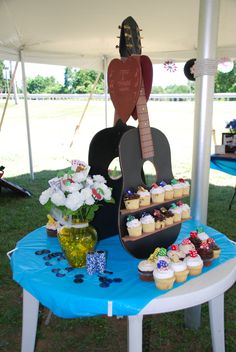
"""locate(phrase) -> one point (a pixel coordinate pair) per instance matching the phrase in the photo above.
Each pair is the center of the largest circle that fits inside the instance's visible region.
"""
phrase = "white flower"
(99, 179)
(89, 181)
(58, 198)
(74, 201)
(103, 190)
(80, 176)
(45, 195)
(70, 186)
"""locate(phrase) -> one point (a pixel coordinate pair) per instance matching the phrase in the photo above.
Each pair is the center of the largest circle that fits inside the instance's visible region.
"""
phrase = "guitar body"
(103, 148)
(132, 170)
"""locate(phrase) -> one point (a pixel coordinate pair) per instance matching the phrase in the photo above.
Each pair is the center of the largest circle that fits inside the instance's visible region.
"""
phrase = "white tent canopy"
(80, 33)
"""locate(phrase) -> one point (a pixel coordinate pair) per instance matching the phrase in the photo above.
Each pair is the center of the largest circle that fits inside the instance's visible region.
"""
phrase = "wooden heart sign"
(147, 73)
(124, 82)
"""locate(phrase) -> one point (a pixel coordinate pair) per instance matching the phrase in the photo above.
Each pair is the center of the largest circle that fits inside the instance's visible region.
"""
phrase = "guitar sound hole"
(114, 170)
(149, 173)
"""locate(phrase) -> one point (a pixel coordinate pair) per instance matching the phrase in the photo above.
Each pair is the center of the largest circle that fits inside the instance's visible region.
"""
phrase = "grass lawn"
(52, 127)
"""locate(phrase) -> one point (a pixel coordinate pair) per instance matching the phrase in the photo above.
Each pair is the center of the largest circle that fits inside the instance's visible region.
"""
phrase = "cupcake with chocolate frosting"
(160, 220)
(131, 200)
(216, 249)
(206, 253)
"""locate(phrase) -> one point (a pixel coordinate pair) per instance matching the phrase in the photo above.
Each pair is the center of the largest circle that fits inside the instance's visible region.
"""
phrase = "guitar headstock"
(130, 40)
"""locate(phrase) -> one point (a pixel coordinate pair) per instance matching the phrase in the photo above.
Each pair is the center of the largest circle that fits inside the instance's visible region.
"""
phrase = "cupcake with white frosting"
(177, 211)
(163, 276)
(134, 226)
(186, 186)
(177, 188)
(185, 210)
(169, 192)
(145, 197)
(186, 246)
(148, 222)
(175, 254)
(194, 263)
(157, 193)
(180, 270)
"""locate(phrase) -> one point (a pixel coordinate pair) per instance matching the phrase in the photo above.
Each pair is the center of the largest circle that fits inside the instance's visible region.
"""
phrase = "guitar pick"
(124, 81)
(147, 73)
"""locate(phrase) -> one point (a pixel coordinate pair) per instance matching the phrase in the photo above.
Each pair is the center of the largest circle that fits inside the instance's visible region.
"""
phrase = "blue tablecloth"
(68, 299)
(224, 164)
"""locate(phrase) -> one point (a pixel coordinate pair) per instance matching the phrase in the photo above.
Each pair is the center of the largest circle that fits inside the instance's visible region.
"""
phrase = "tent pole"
(105, 87)
(206, 65)
(14, 86)
(26, 113)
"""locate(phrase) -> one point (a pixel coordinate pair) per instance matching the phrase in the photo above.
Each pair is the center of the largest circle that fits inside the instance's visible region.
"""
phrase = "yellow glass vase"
(76, 241)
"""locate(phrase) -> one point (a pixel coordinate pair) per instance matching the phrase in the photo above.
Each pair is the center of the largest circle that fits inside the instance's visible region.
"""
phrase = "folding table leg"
(30, 320)
(216, 312)
(135, 333)
(231, 202)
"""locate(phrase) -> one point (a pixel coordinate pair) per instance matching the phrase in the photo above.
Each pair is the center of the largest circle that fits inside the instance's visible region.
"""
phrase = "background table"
(225, 163)
(68, 300)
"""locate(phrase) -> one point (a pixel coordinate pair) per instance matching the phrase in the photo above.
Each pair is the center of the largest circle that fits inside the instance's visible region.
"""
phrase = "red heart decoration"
(124, 82)
(147, 73)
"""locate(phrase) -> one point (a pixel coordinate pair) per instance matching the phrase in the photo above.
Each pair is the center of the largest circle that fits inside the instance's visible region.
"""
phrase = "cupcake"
(186, 186)
(145, 197)
(131, 200)
(176, 211)
(185, 210)
(160, 220)
(206, 253)
(216, 249)
(148, 222)
(180, 271)
(194, 263)
(168, 216)
(169, 192)
(51, 226)
(134, 226)
(195, 239)
(145, 269)
(163, 276)
(186, 246)
(177, 188)
(157, 193)
(175, 254)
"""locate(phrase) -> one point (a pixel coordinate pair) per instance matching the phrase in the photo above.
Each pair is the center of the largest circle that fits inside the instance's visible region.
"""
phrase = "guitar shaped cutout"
(137, 146)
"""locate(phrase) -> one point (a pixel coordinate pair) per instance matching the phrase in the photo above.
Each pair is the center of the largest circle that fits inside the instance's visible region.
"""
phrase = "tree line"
(82, 81)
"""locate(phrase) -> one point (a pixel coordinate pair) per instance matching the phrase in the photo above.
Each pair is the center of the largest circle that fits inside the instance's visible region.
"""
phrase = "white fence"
(158, 97)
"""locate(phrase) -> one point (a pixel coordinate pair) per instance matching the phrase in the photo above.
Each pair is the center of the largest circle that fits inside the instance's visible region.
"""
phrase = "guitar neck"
(144, 126)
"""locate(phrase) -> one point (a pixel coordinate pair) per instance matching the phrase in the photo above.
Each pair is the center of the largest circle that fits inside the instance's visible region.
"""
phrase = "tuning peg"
(117, 46)
(118, 37)
(129, 45)
(141, 37)
(119, 27)
(140, 29)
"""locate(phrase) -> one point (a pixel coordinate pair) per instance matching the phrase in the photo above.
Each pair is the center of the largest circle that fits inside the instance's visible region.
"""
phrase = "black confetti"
(56, 270)
(48, 264)
(117, 279)
(79, 276)
(60, 275)
(78, 280)
(108, 272)
(69, 268)
(104, 284)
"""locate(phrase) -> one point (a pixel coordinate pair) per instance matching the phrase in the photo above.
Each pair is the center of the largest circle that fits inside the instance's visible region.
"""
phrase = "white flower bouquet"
(75, 193)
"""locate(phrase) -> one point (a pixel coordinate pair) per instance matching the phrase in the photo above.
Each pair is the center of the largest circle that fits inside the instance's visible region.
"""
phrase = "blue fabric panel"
(227, 165)
(67, 299)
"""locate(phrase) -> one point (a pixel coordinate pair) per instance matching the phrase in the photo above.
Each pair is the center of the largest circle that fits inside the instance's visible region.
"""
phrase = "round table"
(208, 287)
